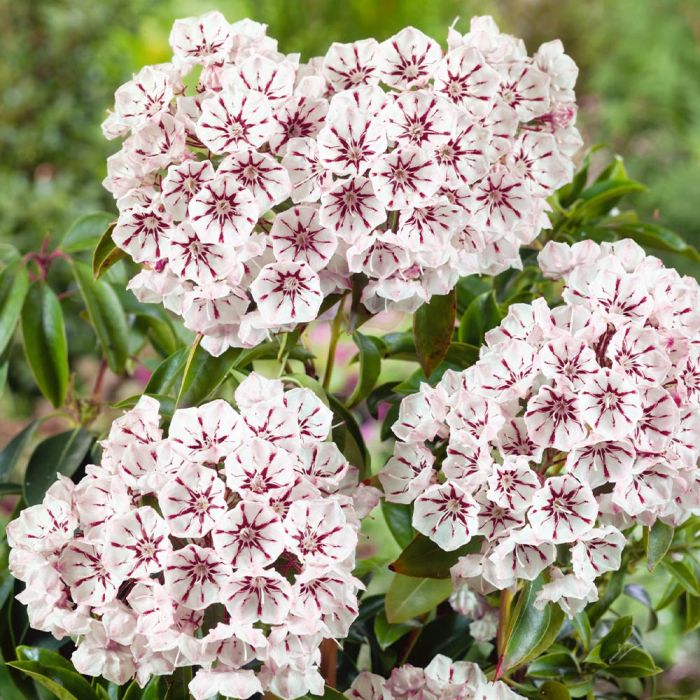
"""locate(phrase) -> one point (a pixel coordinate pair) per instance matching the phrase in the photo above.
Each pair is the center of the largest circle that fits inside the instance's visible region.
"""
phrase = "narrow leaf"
(422, 558)
(204, 374)
(481, 315)
(14, 283)
(85, 232)
(106, 254)
(370, 367)
(11, 455)
(658, 541)
(433, 327)
(64, 684)
(409, 597)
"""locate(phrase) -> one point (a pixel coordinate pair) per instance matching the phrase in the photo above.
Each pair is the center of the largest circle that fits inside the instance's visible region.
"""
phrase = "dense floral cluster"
(272, 182)
(576, 423)
(230, 541)
(442, 679)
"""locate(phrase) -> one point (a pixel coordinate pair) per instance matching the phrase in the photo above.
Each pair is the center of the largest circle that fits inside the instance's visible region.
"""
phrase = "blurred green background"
(62, 60)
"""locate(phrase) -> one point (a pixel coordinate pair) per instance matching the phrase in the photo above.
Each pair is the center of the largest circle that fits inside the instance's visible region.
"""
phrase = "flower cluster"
(441, 678)
(273, 183)
(227, 544)
(576, 423)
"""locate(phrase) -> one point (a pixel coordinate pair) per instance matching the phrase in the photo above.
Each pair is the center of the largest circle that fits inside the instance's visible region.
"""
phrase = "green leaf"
(370, 367)
(658, 541)
(433, 327)
(165, 377)
(447, 634)
(107, 316)
(62, 683)
(409, 597)
(387, 634)
(553, 690)
(45, 344)
(8, 489)
(14, 283)
(348, 436)
(15, 449)
(462, 354)
(204, 374)
(692, 613)
(47, 657)
(633, 663)
(398, 519)
(328, 694)
(152, 691)
(62, 454)
(178, 684)
(598, 199)
(671, 594)
(582, 627)
(422, 558)
(658, 238)
(613, 590)
(85, 232)
(530, 631)
(481, 315)
(611, 644)
(556, 664)
(684, 574)
(106, 254)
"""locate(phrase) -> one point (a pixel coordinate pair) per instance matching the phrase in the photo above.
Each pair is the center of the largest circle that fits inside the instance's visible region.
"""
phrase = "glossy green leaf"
(480, 316)
(107, 316)
(370, 367)
(633, 663)
(553, 690)
(447, 634)
(16, 449)
(653, 237)
(582, 627)
(328, 694)
(611, 644)
(45, 344)
(684, 574)
(555, 664)
(14, 284)
(167, 376)
(152, 691)
(47, 657)
(9, 489)
(422, 558)
(530, 630)
(204, 374)
(86, 232)
(62, 454)
(398, 519)
(433, 327)
(62, 683)
(106, 254)
(177, 684)
(658, 541)
(599, 199)
(409, 597)
(348, 436)
(387, 633)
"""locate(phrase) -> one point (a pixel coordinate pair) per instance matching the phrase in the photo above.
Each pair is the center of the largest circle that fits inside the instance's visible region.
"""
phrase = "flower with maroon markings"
(287, 292)
(181, 183)
(351, 208)
(447, 515)
(45, 527)
(259, 470)
(525, 89)
(407, 473)
(297, 235)
(136, 544)
(260, 596)
(206, 39)
(307, 174)
(274, 79)
(568, 360)
(192, 502)
(539, 162)
(222, 212)
(297, 117)
(636, 353)
(463, 159)
(313, 415)
(405, 178)
(250, 535)
(554, 418)
(610, 403)
(563, 510)
(233, 121)
(513, 484)
(465, 78)
(192, 259)
(521, 555)
(408, 59)
(598, 551)
(194, 576)
(429, 226)
(658, 423)
(83, 571)
(144, 233)
(508, 371)
(144, 98)
(261, 175)
(598, 463)
(347, 66)
(499, 201)
(422, 119)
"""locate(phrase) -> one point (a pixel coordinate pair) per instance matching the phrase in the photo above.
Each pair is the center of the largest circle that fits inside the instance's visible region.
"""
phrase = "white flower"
(194, 576)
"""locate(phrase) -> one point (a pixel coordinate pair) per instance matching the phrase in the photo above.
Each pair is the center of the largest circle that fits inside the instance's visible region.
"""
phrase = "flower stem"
(504, 606)
(336, 329)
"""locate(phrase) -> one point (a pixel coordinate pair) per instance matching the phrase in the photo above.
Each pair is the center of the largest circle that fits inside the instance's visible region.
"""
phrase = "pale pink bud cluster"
(230, 540)
(577, 422)
(441, 678)
(273, 183)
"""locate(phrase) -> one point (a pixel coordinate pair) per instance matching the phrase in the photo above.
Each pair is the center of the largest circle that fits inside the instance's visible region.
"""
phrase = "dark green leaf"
(107, 316)
(598, 199)
(47, 657)
(613, 590)
(398, 519)
(348, 436)
(14, 283)
(480, 316)
(553, 690)
(671, 594)
(204, 374)
(62, 683)
(684, 574)
(462, 355)
(611, 644)
(106, 254)
(386, 633)
(8, 489)
(370, 366)
(651, 236)
(382, 394)
(85, 232)
(582, 627)
(178, 684)
(433, 327)
(152, 691)
(446, 634)
(167, 375)
(62, 454)
(45, 344)
(328, 694)
(167, 403)
(633, 663)
(692, 613)
(658, 541)
(556, 664)
(15, 449)
(409, 597)
(422, 558)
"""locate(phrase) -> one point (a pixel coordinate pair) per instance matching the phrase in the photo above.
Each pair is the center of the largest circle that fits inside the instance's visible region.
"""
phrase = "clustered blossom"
(227, 545)
(576, 423)
(441, 679)
(273, 184)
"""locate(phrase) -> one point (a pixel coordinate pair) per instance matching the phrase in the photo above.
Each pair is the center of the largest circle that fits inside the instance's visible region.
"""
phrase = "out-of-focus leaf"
(106, 254)
(107, 316)
(328, 694)
(10, 456)
(64, 684)
(480, 316)
(8, 489)
(382, 394)
(599, 199)
(640, 594)
(167, 403)
(462, 354)
(62, 454)
(692, 613)
(152, 691)
(386, 633)
(45, 344)
(672, 592)
(398, 519)
(422, 558)
(433, 327)
(85, 232)
(409, 597)
(613, 590)
(177, 684)
(684, 574)
(553, 690)
(582, 627)
(657, 543)
(370, 367)
(14, 284)
(651, 236)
